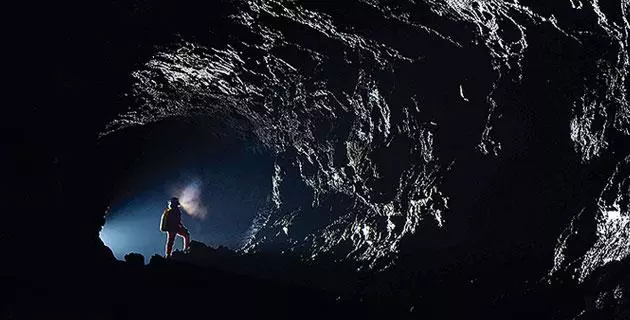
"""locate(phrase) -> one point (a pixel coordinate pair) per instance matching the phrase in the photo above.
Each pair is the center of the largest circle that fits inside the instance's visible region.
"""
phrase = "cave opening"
(219, 169)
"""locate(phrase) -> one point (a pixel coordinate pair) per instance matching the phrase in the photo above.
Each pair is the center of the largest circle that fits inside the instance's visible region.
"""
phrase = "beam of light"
(190, 199)
(133, 226)
(132, 235)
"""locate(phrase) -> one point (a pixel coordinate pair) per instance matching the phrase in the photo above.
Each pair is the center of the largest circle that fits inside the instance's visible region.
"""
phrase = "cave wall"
(506, 112)
(414, 127)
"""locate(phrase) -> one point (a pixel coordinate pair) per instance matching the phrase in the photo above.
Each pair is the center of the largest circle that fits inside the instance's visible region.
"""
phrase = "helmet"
(174, 202)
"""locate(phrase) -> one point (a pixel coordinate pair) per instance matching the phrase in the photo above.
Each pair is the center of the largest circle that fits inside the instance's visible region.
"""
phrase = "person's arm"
(180, 218)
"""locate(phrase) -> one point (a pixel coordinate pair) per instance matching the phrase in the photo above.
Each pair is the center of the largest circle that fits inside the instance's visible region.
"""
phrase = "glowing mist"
(190, 199)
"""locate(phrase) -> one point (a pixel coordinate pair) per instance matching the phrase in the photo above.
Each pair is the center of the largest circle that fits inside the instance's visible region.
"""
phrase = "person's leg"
(183, 232)
(170, 240)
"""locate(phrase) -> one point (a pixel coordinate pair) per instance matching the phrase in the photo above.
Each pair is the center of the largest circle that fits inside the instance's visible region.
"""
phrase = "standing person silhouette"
(171, 223)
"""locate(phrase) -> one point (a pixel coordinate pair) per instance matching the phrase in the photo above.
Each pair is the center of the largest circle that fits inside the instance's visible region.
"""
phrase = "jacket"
(171, 219)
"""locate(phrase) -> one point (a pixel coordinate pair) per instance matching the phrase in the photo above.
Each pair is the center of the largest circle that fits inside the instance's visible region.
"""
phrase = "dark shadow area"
(209, 282)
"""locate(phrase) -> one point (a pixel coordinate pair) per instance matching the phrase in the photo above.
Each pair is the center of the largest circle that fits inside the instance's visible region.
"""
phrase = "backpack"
(170, 220)
(164, 221)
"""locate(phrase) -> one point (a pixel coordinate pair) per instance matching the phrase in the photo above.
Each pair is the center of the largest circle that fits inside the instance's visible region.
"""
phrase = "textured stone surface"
(331, 99)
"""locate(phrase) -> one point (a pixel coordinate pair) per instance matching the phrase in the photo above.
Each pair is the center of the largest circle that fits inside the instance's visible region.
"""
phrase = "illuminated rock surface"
(332, 100)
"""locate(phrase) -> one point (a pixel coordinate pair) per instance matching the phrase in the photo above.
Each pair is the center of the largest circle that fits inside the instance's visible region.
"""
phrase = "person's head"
(173, 203)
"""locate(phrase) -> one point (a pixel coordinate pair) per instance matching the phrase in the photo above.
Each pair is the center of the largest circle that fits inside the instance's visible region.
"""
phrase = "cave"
(221, 175)
(364, 159)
